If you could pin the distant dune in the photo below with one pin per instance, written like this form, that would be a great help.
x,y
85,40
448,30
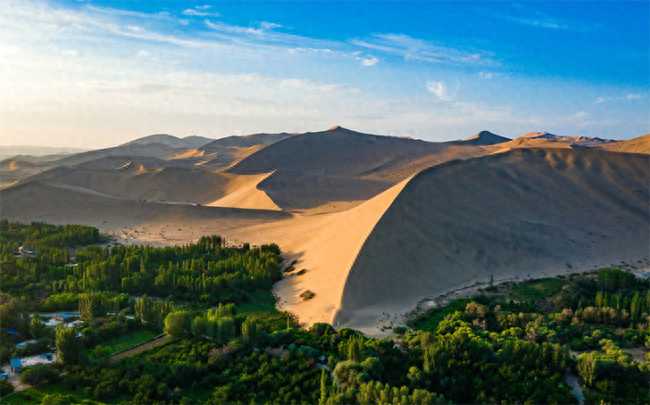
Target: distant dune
x,y
317,168
546,140
338,151
245,141
636,145
526,213
485,138
171,140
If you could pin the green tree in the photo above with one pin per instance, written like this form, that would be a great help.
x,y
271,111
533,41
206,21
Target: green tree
x,y
178,323
69,347
37,328
250,331
587,367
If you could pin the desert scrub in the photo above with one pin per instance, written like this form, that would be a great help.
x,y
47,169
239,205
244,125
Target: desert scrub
x,y
301,272
307,295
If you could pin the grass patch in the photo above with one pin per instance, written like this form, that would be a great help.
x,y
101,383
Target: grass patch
x,y
533,290
35,396
127,340
431,318
258,302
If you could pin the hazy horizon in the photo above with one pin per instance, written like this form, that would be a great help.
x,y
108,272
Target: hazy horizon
x,y
92,74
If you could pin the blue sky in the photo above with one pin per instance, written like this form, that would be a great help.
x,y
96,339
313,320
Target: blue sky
x,y
96,73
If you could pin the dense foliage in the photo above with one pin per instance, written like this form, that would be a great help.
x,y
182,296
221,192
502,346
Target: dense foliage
x,y
514,345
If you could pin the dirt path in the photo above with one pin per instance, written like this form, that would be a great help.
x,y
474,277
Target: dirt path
x,y
143,347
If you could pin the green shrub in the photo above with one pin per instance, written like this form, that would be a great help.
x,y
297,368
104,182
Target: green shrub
x,y
307,295
38,374
5,387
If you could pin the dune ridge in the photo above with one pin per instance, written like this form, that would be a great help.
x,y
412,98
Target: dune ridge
x,y
519,214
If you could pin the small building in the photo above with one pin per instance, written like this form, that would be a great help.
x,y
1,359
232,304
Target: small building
x,y
25,343
16,365
64,317
4,376
13,332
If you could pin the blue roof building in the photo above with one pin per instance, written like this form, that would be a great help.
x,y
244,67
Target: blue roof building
x,y
13,332
16,365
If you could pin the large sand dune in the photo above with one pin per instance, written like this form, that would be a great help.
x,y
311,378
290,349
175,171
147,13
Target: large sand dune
x,y
338,165
526,213
338,151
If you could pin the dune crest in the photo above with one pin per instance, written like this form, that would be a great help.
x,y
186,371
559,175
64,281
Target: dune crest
x,y
242,191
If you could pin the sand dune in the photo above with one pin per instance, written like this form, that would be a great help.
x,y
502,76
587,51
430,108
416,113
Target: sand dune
x,y
245,141
155,150
636,145
518,212
325,245
338,165
339,152
242,191
170,184
171,140
546,140
526,213
13,170
485,138
61,204
295,190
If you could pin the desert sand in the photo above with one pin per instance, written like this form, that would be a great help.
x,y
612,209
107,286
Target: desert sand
x,y
378,223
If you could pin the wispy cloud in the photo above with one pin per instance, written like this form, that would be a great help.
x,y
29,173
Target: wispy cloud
x,y
199,12
526,15
421,50
127,13
631,96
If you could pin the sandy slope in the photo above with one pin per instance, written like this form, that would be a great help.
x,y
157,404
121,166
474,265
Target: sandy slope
x,y
326,246
338,151
636,145
59,204
242,191
296,191
546,140
526,213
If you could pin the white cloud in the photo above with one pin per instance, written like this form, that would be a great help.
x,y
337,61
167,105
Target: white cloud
x,y
439,89
135,28
199,12
486,75
71,52
414,49
143,54
632,96
579,116
372,61
269,25
127,13
205,7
